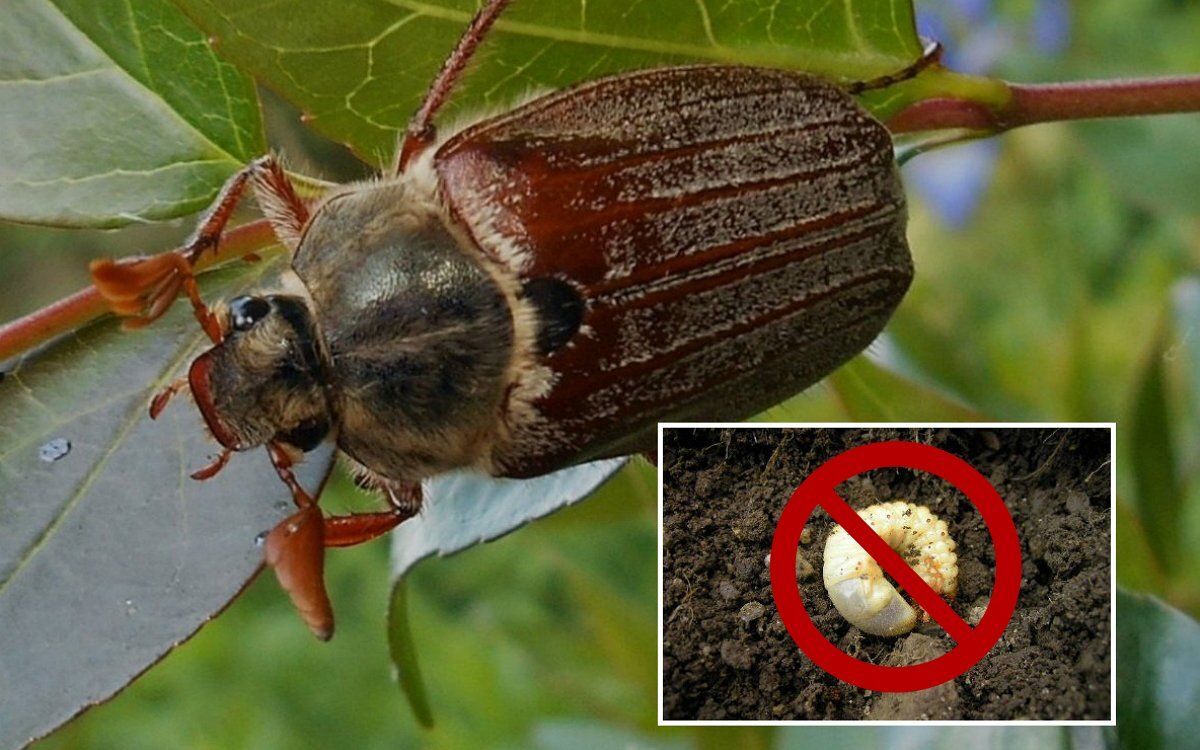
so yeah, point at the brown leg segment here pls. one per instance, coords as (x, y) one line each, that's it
(347, 531)
(421, 133)
(295, 548)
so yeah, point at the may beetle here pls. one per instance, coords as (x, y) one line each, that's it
(542, 287)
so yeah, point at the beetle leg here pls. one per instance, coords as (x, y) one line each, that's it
(295, 549)
(218, 463)
(149, 285)
(356, 528)
(163, 397)
(282, 460)
(421, 133)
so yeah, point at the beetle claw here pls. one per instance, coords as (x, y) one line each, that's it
(140, 288)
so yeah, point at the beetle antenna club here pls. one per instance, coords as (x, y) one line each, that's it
(660, 245)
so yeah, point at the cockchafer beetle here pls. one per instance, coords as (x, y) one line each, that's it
(542, 287)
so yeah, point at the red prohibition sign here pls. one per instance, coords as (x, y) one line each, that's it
(973, 643)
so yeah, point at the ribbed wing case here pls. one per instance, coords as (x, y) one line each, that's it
(736, 234)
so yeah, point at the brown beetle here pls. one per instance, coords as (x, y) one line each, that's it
(543, 287)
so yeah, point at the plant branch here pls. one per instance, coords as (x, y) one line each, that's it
(1028, 104)
(974, 104)
(86, 305)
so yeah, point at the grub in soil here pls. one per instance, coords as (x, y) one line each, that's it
(728, 656)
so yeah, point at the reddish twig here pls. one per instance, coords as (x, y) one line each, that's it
(1028, 104)
(1025, 104)
(86, 305)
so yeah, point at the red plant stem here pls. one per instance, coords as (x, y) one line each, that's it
(50, 321)
(86, 305)
(1034, 103)
(1073, 101)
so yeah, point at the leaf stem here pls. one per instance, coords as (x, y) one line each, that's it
(53, 320)
(1036, 103)
(86, 305)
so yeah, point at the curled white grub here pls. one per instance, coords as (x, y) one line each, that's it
(855, 581)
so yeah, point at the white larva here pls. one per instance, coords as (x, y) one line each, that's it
(855, 581)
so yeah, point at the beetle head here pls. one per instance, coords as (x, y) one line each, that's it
(265, 380)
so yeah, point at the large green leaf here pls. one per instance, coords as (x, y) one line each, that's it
(115, 112)
(358, 68)
(460, 511)
(1150, 452)
(110, 554)
(870, 392)
(466, 509)
(1158, 674)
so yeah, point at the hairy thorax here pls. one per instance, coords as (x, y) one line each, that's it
(417, 331)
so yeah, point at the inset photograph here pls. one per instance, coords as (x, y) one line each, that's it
(941, 572)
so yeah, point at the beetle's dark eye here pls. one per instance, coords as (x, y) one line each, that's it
(245, 311)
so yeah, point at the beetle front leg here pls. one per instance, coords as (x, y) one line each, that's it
(356, 528)
(149, 285)
(295, 548)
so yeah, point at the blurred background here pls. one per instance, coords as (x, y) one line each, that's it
(1057, 279)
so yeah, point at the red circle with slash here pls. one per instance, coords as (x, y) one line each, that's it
(819, 489)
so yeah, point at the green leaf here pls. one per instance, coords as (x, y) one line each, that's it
(622, 631)
(1150, 450)
(463, 509)
(1137, 566)
(115, 112)
(359, 68)
(871, 393)
(403, 651)
(110, 555)
(1158, 674)
(995, 738)
(1141, 155)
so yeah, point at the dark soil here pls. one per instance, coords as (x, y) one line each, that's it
(727, 655)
